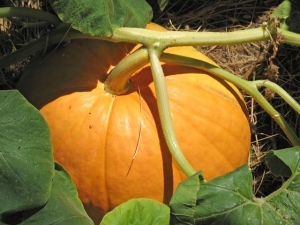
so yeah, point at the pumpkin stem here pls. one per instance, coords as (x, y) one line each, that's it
(164, 110)
(250, 87)
(117, 83)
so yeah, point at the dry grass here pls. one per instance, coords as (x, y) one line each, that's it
(13, 37)
(248, 61)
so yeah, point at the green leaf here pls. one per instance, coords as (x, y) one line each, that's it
(283, 10)
(288, 13)
(32, 192)
(101, 17)
(63, 206)
(185, 202)
(138, 211)
(283, 163)
(162, 4)
(26, 161)
(229, 199)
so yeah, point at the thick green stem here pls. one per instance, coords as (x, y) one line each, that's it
(145, 37)
(30, 13)
(164, 111)
(148, 37)
(248, 86)
(117, 83)
(289, 37)
(181, 38)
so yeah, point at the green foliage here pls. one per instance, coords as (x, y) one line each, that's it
(63, 206)
(101, 17)
(288, 13)
(33, 190)
(229, 199)
(162, 4)
(138, 211)
(26, 161)
(283, 163)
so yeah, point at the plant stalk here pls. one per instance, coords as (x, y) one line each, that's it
(290, 38)
(281, 92)
(148, 37)
(30, 13)
(250, 87)
(164, 111)
(117, 83)
(184, 38)
(28, 25)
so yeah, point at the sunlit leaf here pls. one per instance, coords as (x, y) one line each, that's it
(137, 212)
(229, 199)
(288, 13)
(101, 17)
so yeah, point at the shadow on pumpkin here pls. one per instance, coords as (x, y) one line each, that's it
(75, 67)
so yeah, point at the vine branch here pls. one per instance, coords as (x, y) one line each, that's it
(9, 12)
(250, 87)
(164, 111)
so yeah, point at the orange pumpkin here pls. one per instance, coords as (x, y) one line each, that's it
(95, 134)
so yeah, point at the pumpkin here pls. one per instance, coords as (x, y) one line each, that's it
(95, 133)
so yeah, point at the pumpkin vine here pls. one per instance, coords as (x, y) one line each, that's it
(164, 110)
(117, 85)
(251, 87)
(140, 58)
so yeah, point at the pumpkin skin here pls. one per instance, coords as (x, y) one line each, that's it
(95, 134)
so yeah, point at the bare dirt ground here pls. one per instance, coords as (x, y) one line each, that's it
(250, 61)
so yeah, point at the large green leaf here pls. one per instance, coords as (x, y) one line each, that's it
(101, 17)
(229, 199)
(32, 192)
(63, 206)
(184, 200)
(137, 212)
(26, 161)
